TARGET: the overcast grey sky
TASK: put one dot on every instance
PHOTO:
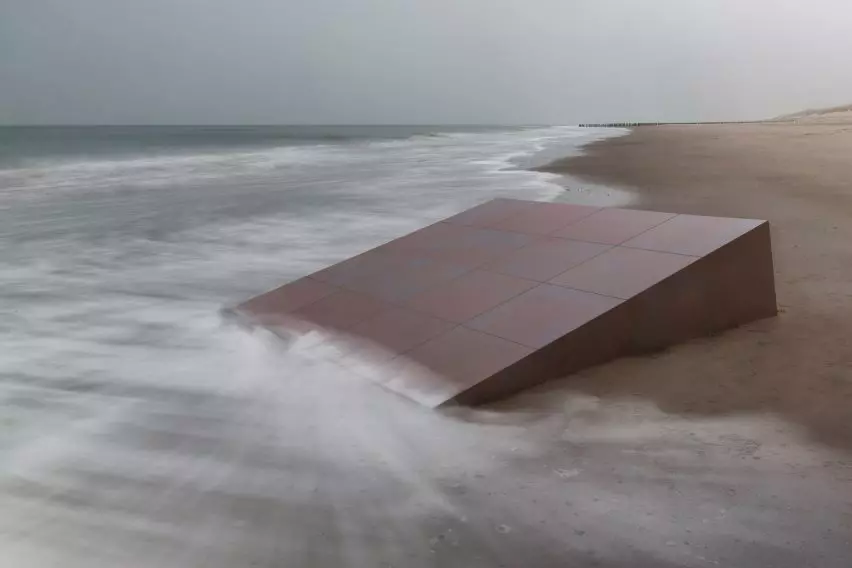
(419, 61)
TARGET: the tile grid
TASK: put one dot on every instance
(621, 244)
(577, 239)
(530, 244)
(553, 234)
(552, 231)
(538, 240)
(454, 325)
(658, 250)
(664, 221)
(471, 243)
(478, 266)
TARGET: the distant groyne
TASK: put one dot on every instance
(637, 124)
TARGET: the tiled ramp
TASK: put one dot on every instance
(512, 293)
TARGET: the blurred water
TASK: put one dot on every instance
(137, 429)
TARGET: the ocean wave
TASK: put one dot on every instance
(444, 151)
(136, 418)
(158, 170)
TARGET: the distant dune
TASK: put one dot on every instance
(838, 114)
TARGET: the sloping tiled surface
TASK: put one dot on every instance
(613, 226)
(469, 295)
(510, 293)
(398, 330)
(544, 218)
(605, 274)
(543, 315)
(545, 258)
(692, 235)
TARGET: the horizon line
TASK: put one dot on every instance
(353, 124)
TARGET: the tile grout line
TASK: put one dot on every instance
(479, 266)
(679, 253)
(337, 289)
(590, 291)
(526, 206)
(533, 349)
(625, 240)
(467, 271)
(673, 217)
(696, 258)
(536, 349)
(537, 238)
(577, 220)
(540, 238)
(550, 234)
(612, 247)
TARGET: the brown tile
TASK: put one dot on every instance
(545, 258)
(613, 226)
(469, 295)
(419, 275)
(449, 364)
(288, 297)
(337, 273)
(370, 348)
(542, 315)
(623, 272)
(394, 278)
(692, 235)
(488, 213)
(400, 329)
(457, 245)
(437, 236)
(341, 310)
(492, 242)
(544, 218)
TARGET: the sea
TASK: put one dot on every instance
(140, 428)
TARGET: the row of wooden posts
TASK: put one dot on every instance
(635, 124)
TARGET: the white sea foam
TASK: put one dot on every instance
(139, 430)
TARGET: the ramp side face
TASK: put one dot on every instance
(512, 293)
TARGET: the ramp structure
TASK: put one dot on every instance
(512, 293)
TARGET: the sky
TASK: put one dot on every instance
(419, 61)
